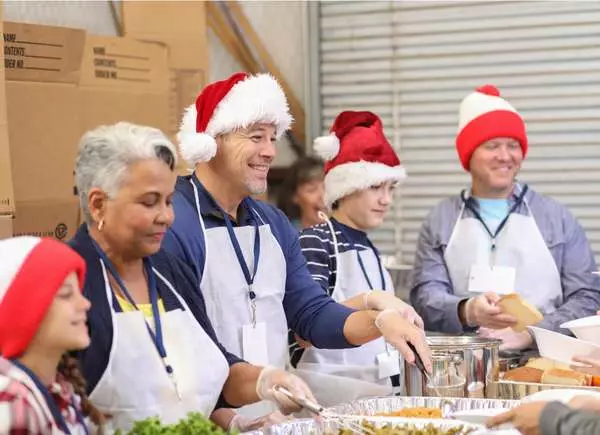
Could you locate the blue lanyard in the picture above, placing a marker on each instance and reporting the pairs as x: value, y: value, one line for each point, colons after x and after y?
x: 58, y: 417
x: 157, y: 334
x: 239, y: 254
x: 469, y: 204
x: 242, y: 261
x: 362, y: 264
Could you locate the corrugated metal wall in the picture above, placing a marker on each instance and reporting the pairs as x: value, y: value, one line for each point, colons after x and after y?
x: 412, y: 63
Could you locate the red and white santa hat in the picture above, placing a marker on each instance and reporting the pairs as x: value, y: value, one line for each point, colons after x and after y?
x: 31, y: 272
x: 484, y: 115
x: 226, y: 105
x: 357, y: 155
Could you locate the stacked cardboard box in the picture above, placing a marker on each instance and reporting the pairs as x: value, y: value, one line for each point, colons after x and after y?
x: 61, y: 82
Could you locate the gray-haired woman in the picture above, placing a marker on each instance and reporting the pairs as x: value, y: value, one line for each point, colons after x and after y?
x: 153, y: 351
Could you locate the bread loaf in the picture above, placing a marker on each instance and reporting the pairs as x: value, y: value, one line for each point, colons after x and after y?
x: 566, y: 377
x: 524, y: 374
x: 525, y: 313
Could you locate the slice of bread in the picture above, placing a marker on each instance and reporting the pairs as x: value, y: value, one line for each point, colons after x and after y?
x: 524, y: 374
x: 525, y: 313
x: 566, y: 377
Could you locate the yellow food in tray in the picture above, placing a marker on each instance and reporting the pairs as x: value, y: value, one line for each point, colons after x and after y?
x: 409, y: 429
x: 418, y: 412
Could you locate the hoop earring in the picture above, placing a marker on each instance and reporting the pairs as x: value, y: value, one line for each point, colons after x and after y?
x: 101, y: 225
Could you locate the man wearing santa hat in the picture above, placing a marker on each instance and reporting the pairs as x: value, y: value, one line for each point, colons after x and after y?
x: 245, y: 253
x: 500, y: 236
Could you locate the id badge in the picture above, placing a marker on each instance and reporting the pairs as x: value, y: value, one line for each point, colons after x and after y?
x: 496, y: 279
x: 254, y: 344
x: 388, y: 363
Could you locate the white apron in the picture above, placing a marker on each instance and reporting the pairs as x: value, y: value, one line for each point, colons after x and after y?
x: 225, y: 292
x: 135, y: 384
x: 519, y: 245
x: 342, y: 375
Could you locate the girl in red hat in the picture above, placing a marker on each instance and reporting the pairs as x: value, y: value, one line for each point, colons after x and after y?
x: 42, y: 317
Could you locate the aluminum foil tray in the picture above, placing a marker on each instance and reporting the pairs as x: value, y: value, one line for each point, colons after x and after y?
x: 381, y: 405
x: 361, y: 410
x: 310, y: 427
x: 511, y: 390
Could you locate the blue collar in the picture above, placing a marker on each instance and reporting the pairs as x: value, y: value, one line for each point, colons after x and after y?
x: 353, y: 234
x: 208, y: 205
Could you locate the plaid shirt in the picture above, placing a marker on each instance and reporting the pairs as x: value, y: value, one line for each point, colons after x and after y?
x: 23, y: 409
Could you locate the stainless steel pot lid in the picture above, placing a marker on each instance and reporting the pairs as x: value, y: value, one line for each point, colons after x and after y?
x: 461, y: 342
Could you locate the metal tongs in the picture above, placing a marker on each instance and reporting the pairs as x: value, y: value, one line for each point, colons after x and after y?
x: 422, y: 369
x: 346, y: 422
x: 447, y: 407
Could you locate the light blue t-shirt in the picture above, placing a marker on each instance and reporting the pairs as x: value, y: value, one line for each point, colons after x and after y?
x: 493, y: 211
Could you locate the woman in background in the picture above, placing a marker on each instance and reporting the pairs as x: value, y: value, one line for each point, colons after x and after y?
x: 301, y: 195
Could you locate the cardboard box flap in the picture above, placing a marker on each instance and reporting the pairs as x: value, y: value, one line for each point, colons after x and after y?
x: 110, y: 62
x: 42, y: 53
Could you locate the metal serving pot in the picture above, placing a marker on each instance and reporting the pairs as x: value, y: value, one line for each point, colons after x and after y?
x: 463, y: 366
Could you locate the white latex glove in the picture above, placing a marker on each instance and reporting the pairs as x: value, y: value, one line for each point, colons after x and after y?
x: 398, y: 331
x: 240, y: 423
x: 379, y: 300
x: 511, y: 340
x: 484, y: 311
x: 270, y: 377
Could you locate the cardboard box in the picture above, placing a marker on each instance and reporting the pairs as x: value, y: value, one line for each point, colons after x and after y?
x: 7, y: 198
x: 62, y: 82
x: 56, y: 219
x: 182, y: 26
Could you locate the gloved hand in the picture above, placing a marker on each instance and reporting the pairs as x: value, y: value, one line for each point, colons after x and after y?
x: 511, y: 340
x: 270, y: 377
x: 380, y: 300
x: 240, y: 423
x: 592, y: 362
x: 484, y: 311
x: 303, y: 343
x: 397, y: 331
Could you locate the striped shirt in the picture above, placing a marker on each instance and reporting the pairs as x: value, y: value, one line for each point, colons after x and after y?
x: 23, y: 409
x: 318, y: 247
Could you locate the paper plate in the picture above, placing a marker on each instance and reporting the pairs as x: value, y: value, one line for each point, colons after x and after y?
x: 586, y: 328
x: 480, y: 416
x: 563, y: 395
x: 562, y: 348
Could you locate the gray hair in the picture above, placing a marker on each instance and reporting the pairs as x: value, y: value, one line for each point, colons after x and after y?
x: 106, y: 152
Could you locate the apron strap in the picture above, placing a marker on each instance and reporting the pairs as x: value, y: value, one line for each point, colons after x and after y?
x: 336, y: 251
